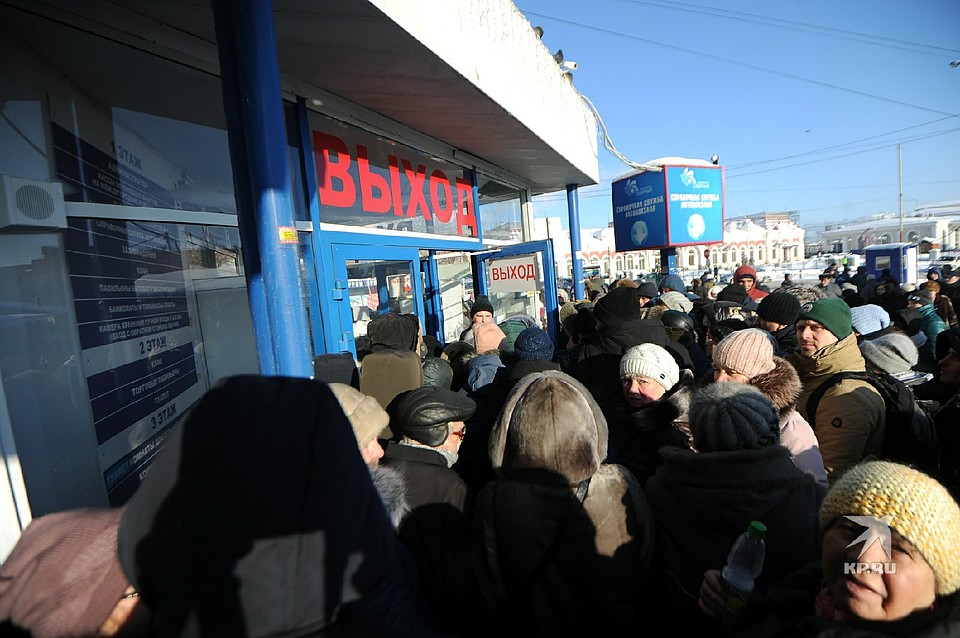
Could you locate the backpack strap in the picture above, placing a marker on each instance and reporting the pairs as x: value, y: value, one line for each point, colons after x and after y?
x: 813, y: 401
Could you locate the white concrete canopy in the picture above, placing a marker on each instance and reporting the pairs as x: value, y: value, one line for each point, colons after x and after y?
x: 470, y: 74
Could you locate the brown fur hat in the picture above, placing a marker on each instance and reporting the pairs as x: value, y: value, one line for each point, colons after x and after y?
x: 550, y: 431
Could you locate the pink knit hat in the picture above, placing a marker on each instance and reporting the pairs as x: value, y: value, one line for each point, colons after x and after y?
x: 63, y: 577
x: 749, y: 352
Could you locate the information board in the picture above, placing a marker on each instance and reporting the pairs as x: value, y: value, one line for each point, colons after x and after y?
x: 678, y: 206
x: 136, y: 337
x: 694, y: 205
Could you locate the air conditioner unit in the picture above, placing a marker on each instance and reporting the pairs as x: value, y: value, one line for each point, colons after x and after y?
x: 30, y: 203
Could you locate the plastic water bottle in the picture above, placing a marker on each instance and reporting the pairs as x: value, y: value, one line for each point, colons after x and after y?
x: 744, y: 563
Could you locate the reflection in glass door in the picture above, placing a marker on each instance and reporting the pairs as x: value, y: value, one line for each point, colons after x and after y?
x: 455, y: 275
x: 376, y: 288
x: 515, y: 289
x: 370, y: 281
x: 520, y: 282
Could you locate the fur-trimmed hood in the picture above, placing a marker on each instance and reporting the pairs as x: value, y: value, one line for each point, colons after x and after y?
x: 550, y: 431
x: 781, y: 385
x: 392, y: 488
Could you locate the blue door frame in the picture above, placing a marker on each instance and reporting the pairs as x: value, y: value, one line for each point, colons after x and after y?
x: 341, y: 295
x: 545, y: 248
x: 331, y: 249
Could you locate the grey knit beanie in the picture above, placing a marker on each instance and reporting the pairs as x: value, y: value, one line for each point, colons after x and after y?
x: 676, y: 301
x: 725, y: 417
x: 652, y: 361
x: 890, y: 353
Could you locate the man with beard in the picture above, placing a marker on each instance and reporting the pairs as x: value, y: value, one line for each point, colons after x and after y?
x: 850, y: 419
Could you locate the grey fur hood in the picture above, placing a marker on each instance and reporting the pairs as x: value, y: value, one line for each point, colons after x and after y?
x: 392, y: 488
x: 550, y: 431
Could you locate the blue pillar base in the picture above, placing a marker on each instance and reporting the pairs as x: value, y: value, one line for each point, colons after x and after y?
x: 668, y: 261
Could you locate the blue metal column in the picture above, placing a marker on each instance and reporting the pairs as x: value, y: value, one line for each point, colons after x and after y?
x: 319, y: 298
x: 258, y: 84
x: 246, y: 219
x: 550, y: 293
x: 573, y: 210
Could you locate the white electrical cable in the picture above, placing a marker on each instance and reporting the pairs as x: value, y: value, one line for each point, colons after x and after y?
x: 608, y: 143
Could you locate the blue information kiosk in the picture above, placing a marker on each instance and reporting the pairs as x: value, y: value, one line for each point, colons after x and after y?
x: 900, y: 259
x: 672, y: 203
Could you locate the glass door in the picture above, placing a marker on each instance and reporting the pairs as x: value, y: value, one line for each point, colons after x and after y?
x: 520, y: 280
x: 371, y: 281
x: 448, y: 282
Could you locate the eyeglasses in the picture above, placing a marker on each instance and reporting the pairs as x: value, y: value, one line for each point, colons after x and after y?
x: 462, y: 432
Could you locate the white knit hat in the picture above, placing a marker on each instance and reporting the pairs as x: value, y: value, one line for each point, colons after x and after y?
x: 651, y: 361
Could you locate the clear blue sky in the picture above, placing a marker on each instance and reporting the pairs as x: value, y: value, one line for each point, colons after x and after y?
x: 803, y: 100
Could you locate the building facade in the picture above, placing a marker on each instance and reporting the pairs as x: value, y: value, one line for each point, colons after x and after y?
x: 190, y: 192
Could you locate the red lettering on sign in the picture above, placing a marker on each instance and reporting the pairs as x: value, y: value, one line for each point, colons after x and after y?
x: 379, y: 203
x: 329, y: 169
x: 515, y: 271
x: 417, y: 198
x: 337, y: 185
x: 439, y: 179
x: 395, y: 185
x: 466, y: 216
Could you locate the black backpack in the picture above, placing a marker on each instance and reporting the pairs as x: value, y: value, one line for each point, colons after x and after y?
x: 911, y: 436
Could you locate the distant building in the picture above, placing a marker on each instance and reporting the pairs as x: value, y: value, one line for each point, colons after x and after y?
x: 761, y: 239
x: 932, y: 228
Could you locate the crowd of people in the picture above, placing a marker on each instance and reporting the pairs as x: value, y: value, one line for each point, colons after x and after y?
x: 504, y: 484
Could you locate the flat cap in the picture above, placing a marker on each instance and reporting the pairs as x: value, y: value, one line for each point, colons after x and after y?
x: 422, y: 414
